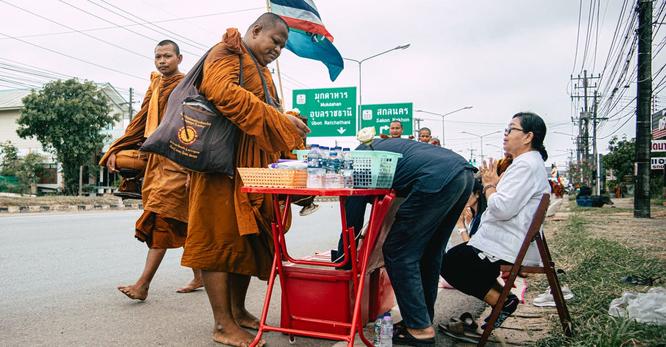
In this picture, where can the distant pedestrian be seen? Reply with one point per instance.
(395, 129)
(435, 142)
(425, 135)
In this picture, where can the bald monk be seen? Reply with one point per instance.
(229, 235)
(163, 223)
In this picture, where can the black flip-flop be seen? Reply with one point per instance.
(467, 321)
(403, 337)
(400, 325)
(457, 331)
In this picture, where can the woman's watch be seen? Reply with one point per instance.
(488, 186)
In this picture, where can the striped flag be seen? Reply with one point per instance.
(308, 38)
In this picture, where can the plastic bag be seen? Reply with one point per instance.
(647, 307)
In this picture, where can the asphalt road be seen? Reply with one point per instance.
(59, 272)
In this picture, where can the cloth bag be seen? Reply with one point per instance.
(193, 133)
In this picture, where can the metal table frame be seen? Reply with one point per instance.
(359, 263)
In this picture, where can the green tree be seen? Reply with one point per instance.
(621, 157)
(9, 159)
(67, 118)
(30, 168)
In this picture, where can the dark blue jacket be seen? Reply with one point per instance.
(423, 167)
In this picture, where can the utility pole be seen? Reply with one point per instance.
(418, 127)
(131, 100)
(584, 124)
(643, 100)
(597, 164)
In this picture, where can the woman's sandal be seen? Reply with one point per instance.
(467, 322)
(403, 337)
(458, 331)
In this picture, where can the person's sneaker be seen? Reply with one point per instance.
(546, 299)
(509, 307)
(309, 209)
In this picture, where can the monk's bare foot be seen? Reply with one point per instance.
(134, 291)
(192, 286)
(233, 335)
(246, 320)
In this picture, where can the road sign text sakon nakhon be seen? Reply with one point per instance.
(380, 116)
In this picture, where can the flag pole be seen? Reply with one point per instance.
(277, 63)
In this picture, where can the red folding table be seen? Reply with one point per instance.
(359, 260)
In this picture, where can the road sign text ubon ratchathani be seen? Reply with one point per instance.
(330, 111)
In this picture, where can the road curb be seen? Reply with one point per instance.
(70, 208)
(92, 207)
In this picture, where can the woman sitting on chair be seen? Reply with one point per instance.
(512, 200)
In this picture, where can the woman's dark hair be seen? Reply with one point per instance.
(481, 205)
(531, 122)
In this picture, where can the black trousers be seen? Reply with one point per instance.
(466, 271)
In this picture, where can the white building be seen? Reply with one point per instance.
(10, 109)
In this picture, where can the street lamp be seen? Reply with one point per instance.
(481, 138)
(359, 62)
(444, 115)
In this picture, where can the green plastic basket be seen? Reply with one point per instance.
(374, 169)
(301, 154)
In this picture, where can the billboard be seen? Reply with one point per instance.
(659, 125)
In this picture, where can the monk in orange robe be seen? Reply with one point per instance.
(229, 235)
(163, 223)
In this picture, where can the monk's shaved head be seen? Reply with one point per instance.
(268, 20)
(266, 37)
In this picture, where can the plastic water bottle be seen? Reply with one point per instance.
(332, 167)
(378, 331)
(315, 177)
(347, 168)
(386, 339)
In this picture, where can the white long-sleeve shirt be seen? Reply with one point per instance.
(511, 208)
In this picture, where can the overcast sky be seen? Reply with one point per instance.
(500, 57)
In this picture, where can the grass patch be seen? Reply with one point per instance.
(597, 267)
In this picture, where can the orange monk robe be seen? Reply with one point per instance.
(163, 223)
(503, 164)
(229, 231)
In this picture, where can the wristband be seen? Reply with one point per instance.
(488, 186)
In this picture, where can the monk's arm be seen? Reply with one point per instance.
(271, 130)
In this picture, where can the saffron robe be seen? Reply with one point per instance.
(163, 223)
(229, 231)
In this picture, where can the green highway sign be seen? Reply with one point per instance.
(330, 111)
(381, 115)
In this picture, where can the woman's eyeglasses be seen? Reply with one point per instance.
(507, 131)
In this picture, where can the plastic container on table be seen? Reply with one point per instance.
(374, 169)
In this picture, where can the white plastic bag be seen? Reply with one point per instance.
(647, 307)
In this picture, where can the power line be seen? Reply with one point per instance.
(132, 25)
(117, 25)
(78, 31)
(141, 20)
(580, 8)
(72, 57)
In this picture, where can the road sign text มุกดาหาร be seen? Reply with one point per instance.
(330, 111)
